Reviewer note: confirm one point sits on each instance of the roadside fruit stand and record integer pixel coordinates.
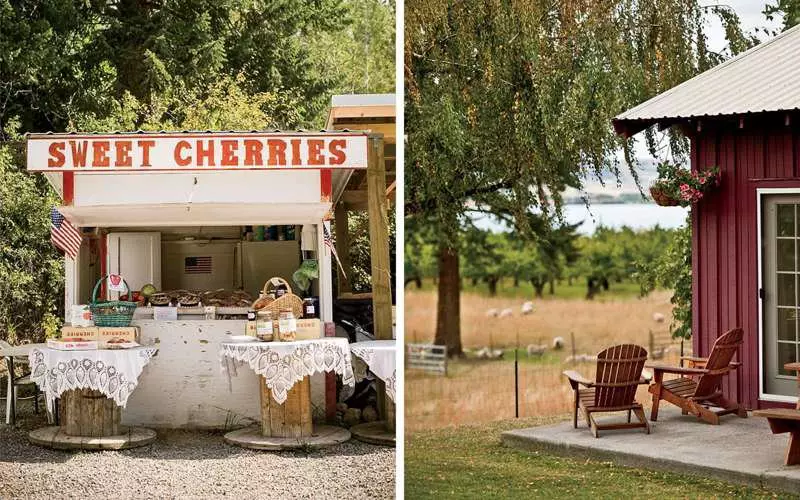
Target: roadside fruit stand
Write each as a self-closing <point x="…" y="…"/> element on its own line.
<point x="209" y="232"/>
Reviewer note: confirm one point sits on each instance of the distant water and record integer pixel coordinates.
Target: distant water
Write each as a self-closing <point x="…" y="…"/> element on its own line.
<point x="616" y="215"/>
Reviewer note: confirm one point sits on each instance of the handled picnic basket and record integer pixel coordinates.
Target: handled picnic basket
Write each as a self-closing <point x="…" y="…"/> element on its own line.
<point x="111" y="312"/>
<point x="286" y="301"/>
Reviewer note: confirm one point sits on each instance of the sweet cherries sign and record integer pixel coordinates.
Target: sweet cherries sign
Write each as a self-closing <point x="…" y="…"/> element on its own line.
<point x="193" y="152"/>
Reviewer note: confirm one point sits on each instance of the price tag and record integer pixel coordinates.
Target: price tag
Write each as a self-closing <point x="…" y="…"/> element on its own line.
<point x="161" y="313"/>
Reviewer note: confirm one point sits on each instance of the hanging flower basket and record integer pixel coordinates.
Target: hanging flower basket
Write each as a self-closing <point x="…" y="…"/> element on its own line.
<point x="662" y="197"/>
<point x="679" y="186"/>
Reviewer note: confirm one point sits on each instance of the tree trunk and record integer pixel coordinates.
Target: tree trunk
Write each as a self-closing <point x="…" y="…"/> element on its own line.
<point x="552" y="287"/>
<point x="569" y="280"/>
<point x="516" y="281"/>
<point x="448" y="307"/>
<point x="538" y="286"/>
<point x="492" y="282"/>
<point x="474" y="281"/>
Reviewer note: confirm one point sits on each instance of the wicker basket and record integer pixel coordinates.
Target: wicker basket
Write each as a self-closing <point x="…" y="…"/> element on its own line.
<point x="285" y="301"/>
<point x="111" y="312"/>
<point x="661" y="198"/>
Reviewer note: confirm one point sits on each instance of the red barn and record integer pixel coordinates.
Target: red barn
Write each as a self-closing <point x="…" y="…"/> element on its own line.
<point x="744" y="117"/>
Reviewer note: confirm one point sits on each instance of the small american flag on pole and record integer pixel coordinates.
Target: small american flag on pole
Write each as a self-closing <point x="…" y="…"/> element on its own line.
<point x="64" y="235"/>
<point x="329" y="243"/>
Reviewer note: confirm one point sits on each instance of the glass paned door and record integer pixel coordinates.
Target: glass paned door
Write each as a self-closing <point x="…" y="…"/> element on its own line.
<point x="781" y="246"/>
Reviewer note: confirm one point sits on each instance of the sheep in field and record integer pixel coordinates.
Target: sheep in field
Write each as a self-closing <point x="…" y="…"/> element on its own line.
<point x="658" y="317"/>
<point x="492" y="313"/>
<point x="536" y="349"/>
<point x="558" y="343"/>
<point x="506" y="313"/>
<point x="527" y="308"/>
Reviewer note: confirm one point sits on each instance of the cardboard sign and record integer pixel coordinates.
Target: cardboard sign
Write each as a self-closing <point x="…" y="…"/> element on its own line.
<point x="195" y="151"/>
<point x="308" y="329"/>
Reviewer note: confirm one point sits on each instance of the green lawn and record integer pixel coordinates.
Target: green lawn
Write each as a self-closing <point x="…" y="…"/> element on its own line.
<point x="506" y="289"/>
<point x="471" y="462"/>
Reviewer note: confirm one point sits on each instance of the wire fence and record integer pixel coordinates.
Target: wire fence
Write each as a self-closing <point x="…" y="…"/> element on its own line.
<point x="484" y="390"/>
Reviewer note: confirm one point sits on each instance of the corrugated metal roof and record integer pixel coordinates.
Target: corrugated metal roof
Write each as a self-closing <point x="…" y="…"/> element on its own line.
<point x="363" y="100"/>
<point x="763" y="79"/>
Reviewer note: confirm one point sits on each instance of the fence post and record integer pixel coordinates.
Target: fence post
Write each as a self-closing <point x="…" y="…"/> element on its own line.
<point x="652" y="343"/>
<point x="516" y="378"/>
<point x="572" y="340"/>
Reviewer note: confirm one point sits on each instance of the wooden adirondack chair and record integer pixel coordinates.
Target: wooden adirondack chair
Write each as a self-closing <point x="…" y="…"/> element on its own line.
<point x="619" y="373"/>
<point x="698" y="397"/>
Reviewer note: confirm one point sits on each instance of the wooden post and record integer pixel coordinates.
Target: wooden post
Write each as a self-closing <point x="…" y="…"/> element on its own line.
<point x="343" y="248"/>
<point x="89" y="413"/>
<point x="292" y="419"/>
<point x="379" y="240"/>
<point x="379" y="251"/>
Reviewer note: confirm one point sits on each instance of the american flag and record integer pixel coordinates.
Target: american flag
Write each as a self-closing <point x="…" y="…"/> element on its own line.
<point x="197" y="265"/>
<point x="64" y="235"/>
<point x="329" y="243"/>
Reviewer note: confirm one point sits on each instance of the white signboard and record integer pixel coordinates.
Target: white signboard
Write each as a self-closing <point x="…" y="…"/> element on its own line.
<point x="194" y="152"/>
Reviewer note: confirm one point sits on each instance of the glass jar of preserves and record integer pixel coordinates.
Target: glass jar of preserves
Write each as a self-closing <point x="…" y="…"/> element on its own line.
<point x="264" y="327"/>
<point x="309" y="309"/>
<point x="287" y="326"/>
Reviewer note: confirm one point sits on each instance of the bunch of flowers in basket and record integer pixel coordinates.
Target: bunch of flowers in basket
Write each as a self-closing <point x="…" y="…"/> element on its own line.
<point x="679" y="186"/>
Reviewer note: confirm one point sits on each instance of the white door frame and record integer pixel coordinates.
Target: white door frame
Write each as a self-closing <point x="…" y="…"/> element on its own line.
<point x="760" y="194"/>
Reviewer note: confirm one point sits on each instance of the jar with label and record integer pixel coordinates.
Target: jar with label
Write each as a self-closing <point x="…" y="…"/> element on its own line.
<point x="250" y="328"/>
<point x="309" y="309"/>
<point x="287" y="326"/>
<point x="264" y="327"/>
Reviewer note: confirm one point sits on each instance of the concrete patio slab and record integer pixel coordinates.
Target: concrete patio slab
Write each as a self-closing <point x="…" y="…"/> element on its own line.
<point x="738" y="450"/>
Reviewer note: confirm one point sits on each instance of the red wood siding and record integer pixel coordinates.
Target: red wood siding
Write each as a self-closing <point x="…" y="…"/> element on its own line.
<point x="725" y="240"/>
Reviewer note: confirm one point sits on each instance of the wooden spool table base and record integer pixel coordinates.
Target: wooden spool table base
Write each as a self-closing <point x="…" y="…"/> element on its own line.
<point x="90" y="421"/>
<point x="287" y="426"/>
<point x="374" y="433"/>
<point x="322" y="436"/>
<point x="54" y="437"/>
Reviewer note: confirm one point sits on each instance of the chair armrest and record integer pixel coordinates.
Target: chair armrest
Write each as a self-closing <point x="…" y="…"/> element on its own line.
<point x="576" y="377"/>
<point x="676" y="369"/>
<point x="694" y="361"/>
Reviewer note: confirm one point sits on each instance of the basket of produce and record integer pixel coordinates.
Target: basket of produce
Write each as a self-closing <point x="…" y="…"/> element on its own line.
<point x="276" y="296"/>
<point x="111" y="312"/>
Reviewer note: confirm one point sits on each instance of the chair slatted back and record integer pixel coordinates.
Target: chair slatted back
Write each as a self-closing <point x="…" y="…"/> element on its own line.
<point x="619" y="369"/>
<point x="719" y="361"/>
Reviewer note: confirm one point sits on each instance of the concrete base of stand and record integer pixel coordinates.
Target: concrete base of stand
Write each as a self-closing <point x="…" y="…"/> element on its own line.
<point x="374" y="433"/>
<point x="55" y="438"/>
<point x="323" y="436"/>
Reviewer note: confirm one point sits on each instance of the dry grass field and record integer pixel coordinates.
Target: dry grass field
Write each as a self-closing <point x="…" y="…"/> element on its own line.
<point x="482" y="391"/>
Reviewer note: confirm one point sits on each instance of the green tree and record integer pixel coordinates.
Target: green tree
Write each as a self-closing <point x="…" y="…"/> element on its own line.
<point x="672" y="270"/>
<point x="507" y="104"/>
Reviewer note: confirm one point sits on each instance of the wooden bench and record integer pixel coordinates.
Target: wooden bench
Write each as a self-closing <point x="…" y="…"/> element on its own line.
<point x="783" y="420"/>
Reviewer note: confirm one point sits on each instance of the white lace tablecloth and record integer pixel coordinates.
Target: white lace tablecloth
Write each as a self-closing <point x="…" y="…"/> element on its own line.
<point x="379" y="357"/>
<point x="115" y="373"/>
<point x="283" y="364"/>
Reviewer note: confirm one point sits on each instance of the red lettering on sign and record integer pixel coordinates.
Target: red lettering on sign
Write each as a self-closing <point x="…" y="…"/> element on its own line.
<point x="336" y="149"/>
<point x="146" y="145"/>
<point x="315" y="156"/>
<point x="229" y="158"/>
<point x="295" y="151"/>
<point x="124" y="154"/>
<point x="100" y="154"/>
<point x="277" y="152"/>
<point x="205" y="153"/>
<point x="182" y="161"/>
<point x="78" y="153"/>
<point x="57" y="158"/>
<point x="252" y="153"/>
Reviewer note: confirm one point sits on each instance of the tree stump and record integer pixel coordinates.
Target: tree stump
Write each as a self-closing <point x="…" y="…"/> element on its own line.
<point x="89" y="413"/>
<point x="292" y="419"/>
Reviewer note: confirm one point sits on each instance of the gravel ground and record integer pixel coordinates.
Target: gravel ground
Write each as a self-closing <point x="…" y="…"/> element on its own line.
<point x="189" y="464"/>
